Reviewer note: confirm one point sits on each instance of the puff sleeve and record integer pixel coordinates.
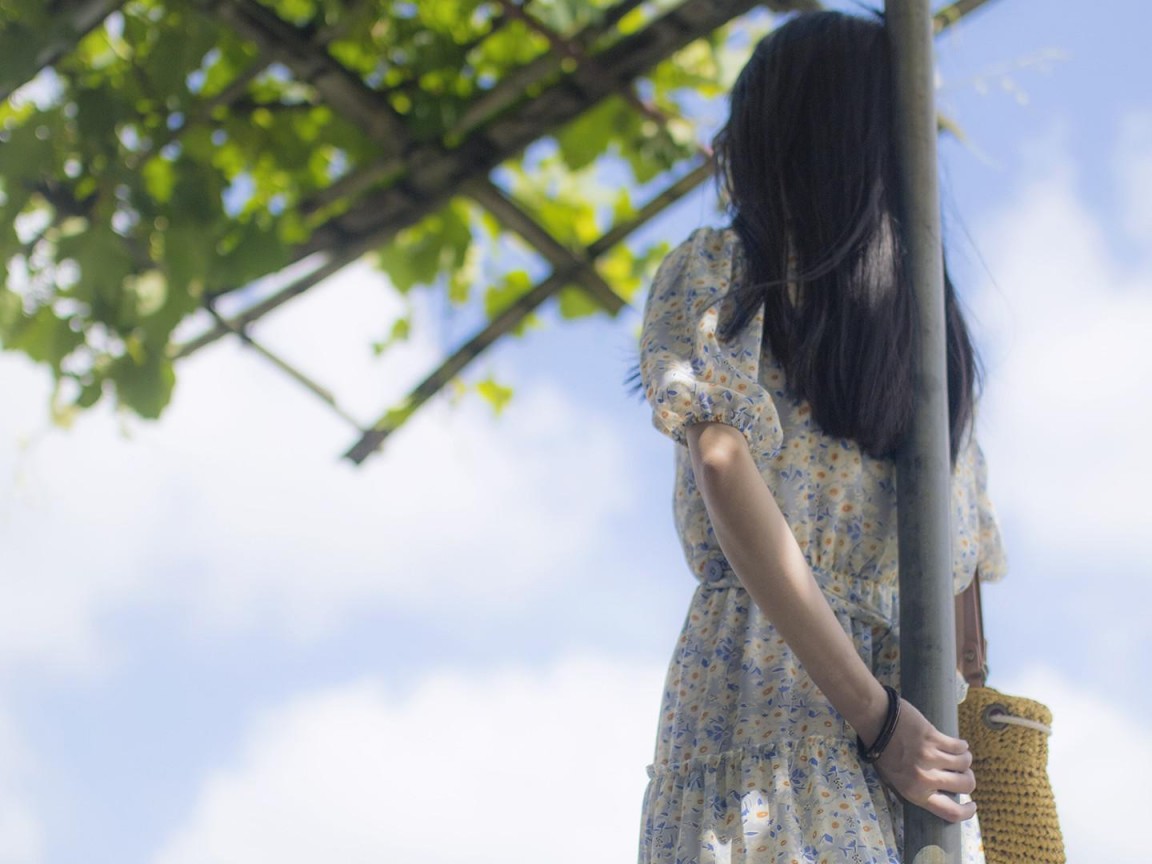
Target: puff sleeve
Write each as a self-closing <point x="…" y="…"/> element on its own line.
<point x="976" y="540"/>
<point x="993" y="562"/>
<point x="689" y="375"/>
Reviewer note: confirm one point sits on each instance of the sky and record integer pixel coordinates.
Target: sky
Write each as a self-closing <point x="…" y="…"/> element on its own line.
<point x="219" y="642"/>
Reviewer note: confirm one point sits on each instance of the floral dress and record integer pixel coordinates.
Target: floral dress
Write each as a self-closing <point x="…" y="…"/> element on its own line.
<point x="753" y="765"/>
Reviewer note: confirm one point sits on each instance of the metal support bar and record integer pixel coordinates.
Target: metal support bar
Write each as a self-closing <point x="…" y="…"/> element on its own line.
<point x="953" y="12"/>
<point x="506" y="320"/>
<point x="436" y="174"/>
<point x="312" y="63"/>
<point x="73" y="21"/>
<point x="557" y="254"/>
<point x="927" y="626"/>
<point x="336" y="260"/>
<point x="374" y="220"/>
<point x="287" y="368"/>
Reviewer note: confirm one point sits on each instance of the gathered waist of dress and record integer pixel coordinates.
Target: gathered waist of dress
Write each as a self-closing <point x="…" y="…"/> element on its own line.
<point x="872" y="601"/>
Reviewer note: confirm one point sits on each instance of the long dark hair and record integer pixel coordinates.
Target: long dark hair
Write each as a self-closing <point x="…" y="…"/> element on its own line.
<point x="808" y="167"/>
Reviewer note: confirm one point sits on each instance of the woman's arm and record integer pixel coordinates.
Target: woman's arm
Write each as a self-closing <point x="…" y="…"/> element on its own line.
<point x="920" y="762"/>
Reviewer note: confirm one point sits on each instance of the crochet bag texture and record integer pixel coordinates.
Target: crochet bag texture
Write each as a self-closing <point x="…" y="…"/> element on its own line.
<point x="1009" y="754"/>
<point x="1014" y="796"/>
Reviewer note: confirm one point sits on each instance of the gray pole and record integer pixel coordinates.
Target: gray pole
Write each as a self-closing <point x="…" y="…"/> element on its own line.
<point x="927" y="640"/>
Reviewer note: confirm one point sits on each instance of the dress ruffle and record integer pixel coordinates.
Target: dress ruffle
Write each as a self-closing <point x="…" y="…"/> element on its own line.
<point x="809" y="800"/>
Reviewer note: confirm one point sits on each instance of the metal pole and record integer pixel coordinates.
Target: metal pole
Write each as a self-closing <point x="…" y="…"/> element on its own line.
<point x="927" y="628"/>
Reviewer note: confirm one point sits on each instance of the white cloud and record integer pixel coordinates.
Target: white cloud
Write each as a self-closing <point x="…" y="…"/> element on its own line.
<point x="491" y="768"/>
<point x="496" y="767"/>
<point x="1067" y="417"/>
<point x="70" y="524"/>
<point x="21" y="838"/>
<point x="1134" y="175"/>
<point x="1066" y="424"/>
<point x="236" y="509"/>
<point x="1099" y="762"/>
<point x="461" y="509"/>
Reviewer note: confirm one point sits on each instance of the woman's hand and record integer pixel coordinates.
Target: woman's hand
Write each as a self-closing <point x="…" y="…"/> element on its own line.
<point x="923" y="764"/>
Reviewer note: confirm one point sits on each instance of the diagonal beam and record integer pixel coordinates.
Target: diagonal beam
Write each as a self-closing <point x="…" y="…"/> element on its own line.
<point x="510" y="317"/>
<point x="435" y="175"/>
<point x="74" y="21"/>
<point x="287" y="368"/>
<point x="574" y="49"/>
<point x="311" y="63"/>
<point x="953" y="12"/>
<point x="398" y="207"/>
<point x="334" y="260"/>
<point x="509" y="90"/>
<point x="559" y="256"/>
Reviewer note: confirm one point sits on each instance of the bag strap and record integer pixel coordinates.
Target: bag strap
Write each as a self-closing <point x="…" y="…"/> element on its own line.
<point x="971" y="646"/>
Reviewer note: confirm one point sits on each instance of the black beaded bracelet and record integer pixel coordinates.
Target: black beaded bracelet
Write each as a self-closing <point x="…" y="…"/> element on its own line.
<point x="871" y="754"/>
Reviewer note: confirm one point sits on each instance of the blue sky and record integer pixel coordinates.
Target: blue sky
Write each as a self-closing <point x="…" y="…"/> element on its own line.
<point x="220" y="643"/>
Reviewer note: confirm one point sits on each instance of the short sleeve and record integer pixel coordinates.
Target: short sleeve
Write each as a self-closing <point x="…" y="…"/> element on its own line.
<point x="976" y="539"/>
<point x="689" y="374"/>
<point x="993" y="561"/>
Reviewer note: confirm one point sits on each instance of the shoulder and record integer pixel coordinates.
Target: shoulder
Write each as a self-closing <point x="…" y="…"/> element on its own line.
<point x="716" y="247"/>
<point x="702" y="268"/>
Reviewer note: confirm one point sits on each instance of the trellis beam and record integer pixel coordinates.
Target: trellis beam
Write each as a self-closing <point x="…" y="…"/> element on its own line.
<point x="333" y="261"/>
<point x="74" y="20"/>
<point x="323" y="393"/>
<point x="559" y="256"/>
<point x="435" y="175"/>
<point x="953" y="12"/>
<point x="509" y="318"/>
<point x="341" y="245"/>
<point x="313" y="64"/>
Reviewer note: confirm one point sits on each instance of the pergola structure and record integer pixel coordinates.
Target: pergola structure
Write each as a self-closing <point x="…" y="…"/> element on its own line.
<point x="413" y="175"/>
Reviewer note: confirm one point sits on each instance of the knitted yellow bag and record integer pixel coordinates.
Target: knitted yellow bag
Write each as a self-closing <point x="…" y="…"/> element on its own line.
<point x="1008" y="737"/>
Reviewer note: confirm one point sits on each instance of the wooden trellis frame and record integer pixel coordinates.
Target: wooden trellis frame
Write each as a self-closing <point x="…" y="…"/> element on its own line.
<point x="411" y="179"/>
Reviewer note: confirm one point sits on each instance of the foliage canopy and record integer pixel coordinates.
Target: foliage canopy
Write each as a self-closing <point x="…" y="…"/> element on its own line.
<point x="168" y="159"/>
<point x="160" y="160"/>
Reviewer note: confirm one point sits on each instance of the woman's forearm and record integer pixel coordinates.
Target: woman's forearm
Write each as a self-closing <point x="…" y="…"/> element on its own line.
<point x="762" y="550"/>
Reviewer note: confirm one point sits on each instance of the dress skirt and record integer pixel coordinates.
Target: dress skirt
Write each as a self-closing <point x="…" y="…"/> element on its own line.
<point x="753" y="765"/>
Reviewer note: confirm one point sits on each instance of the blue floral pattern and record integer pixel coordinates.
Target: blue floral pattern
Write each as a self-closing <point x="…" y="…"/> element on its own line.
<point x="752" y="763"/>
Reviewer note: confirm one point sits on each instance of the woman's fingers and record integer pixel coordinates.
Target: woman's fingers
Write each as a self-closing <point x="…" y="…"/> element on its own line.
<point x="928" y="768"/>
<point x="948" y="744"/>
<point x="947" y="808"/>
<point x="952" y="781"/>
<point x="954" y="761"/>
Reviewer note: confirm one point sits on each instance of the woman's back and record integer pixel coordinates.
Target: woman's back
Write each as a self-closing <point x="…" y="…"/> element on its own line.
<point x="743" y="728"/>
<point x="778" y="354"/>
<point x="839" y="501"/>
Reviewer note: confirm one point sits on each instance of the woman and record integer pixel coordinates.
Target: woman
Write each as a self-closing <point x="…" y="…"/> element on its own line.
<point x="777" y="352"/>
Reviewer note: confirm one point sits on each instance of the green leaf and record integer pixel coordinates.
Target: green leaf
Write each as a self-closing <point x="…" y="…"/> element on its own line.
<point x="575" y="303"/>
<point x="627" y="271"/>
<point x="412" y="259"/>
<point x="395" y="417"/>
<point x="159" y="179"/>
<point x="622" y="208"/>
<point x="401" y="330"/>
<point x="439" y="244"/>
<point x="504" y="293"/>
<point x="90" y="394"/>
<point x="144" y="379"/>
<point x="496" y="395"/>
<point x="11" y="314"/>
<point x="206" y="192"/>
<point x="247" y="252"/>
<point x="588" y="137"/>
<point x="44" y="337"/>
<point x="105" y="263"/>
